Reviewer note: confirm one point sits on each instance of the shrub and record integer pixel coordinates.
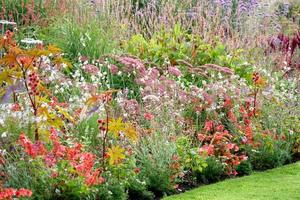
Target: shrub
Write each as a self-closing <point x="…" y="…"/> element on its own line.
<point x="244" y="168"/>
<point x="271" y="152"/>
<point x="214" y="171"/>
<point x="156" y="157"/>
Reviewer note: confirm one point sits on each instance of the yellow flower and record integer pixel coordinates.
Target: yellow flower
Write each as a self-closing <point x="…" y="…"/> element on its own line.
<point x="130" y="132"/>
<point x="116" y="126"/>
<point x="116" y="154"/>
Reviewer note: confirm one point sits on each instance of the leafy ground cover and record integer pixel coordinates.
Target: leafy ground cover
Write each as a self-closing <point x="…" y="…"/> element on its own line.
<point x="279" y="183"/>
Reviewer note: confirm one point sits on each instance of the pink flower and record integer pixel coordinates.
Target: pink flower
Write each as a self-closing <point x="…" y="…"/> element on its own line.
<point x="54" y="174"/>
<point x="201" y="137"/>
<point x="174" y="71"/>
<point x="50" y="160"/>
<point x="243" y="158"/>
<point x="148" y="116"/>
<point x="209" y="149"/>
<point x="83" y="58"/>
<point x="209" y="125"/>
<point x="113" y="69"/>
<point x="91" y="69"/>
<point x="220" y="128"/>
<point x="153" y="73"/>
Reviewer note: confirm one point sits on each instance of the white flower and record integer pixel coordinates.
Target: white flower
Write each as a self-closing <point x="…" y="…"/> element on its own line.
<point x="31" y="41"/>
<point x="1" y="121"/>
<point x="5" y="22"/>
<point x="4" y="134"/>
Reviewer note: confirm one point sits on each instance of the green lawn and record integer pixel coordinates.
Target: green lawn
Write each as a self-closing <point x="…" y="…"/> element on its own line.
<point x="277" y="184"/>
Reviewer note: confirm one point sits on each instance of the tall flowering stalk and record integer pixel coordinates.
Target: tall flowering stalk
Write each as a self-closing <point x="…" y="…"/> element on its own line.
<point x="23" y="67"/>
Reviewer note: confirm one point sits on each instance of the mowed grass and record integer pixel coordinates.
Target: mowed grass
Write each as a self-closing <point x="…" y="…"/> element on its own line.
<point x="277" y="184"/>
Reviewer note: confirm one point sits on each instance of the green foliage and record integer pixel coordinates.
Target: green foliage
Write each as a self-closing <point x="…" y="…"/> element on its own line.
<point x="91" y="39"/>
<point x="189" y="156"/>
<point x="213" y="172"/>
<point x="111" y="191"/>
<point x="289" y="14"/>
<point x="270" y="153"/>
<point x="138" y="190"/>
<point x="154" y="156"/>
<point x="170" y="47"/>
<point x="23" y="173"/>
<point x="34" y="175"/>
<point x="244" y="168"/>
<point x="88" y="131"/>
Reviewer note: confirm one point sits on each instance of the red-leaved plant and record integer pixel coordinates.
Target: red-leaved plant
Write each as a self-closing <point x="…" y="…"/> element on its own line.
<point x="288" y="46"/>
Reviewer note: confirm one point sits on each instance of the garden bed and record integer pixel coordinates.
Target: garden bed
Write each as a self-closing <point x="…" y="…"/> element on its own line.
<point x="141" y="99"/>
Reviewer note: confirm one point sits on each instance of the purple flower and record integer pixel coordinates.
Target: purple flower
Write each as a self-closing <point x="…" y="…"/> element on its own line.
<point x="174" y="71"/>
<point x="113" y="69"/>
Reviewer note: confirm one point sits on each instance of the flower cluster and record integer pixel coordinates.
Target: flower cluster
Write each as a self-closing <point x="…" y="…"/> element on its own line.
<point x="11" y="193"/>
<point x="218" y="142"/>
<point x="82" y="162"/>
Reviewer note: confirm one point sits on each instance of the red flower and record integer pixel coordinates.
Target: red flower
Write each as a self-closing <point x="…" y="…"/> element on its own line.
<point x="94" y="178"/>
<point x="86" y="162"/>
<point x="227" y="101"/>
<point x="58" y="150"/>
<point x="209" y="125"/>
<point x="218" y="136"/>
<point x="231" y="116"/>
<point x="201" y="137"/>
<point x="220" y="128"/>
<point x="137" y="170"/>
<point x="54" y="174"/>
<point x="7" y="193"/>
<point x="148" y="116"/>
<point x="32" y="150"/>
<point x="23" y="193"/>
<point x="248" y="132"/>
<point x="209" y="149"/>
<point x="16" y="107"/>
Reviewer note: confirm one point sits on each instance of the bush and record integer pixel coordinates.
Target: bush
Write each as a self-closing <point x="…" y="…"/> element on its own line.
<point x="244" y="168"/>
<point x="213" y="172"/>
<point x="155" y="156"/>
<point x="111" y="191"/>
<point x="271" y="153"/>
